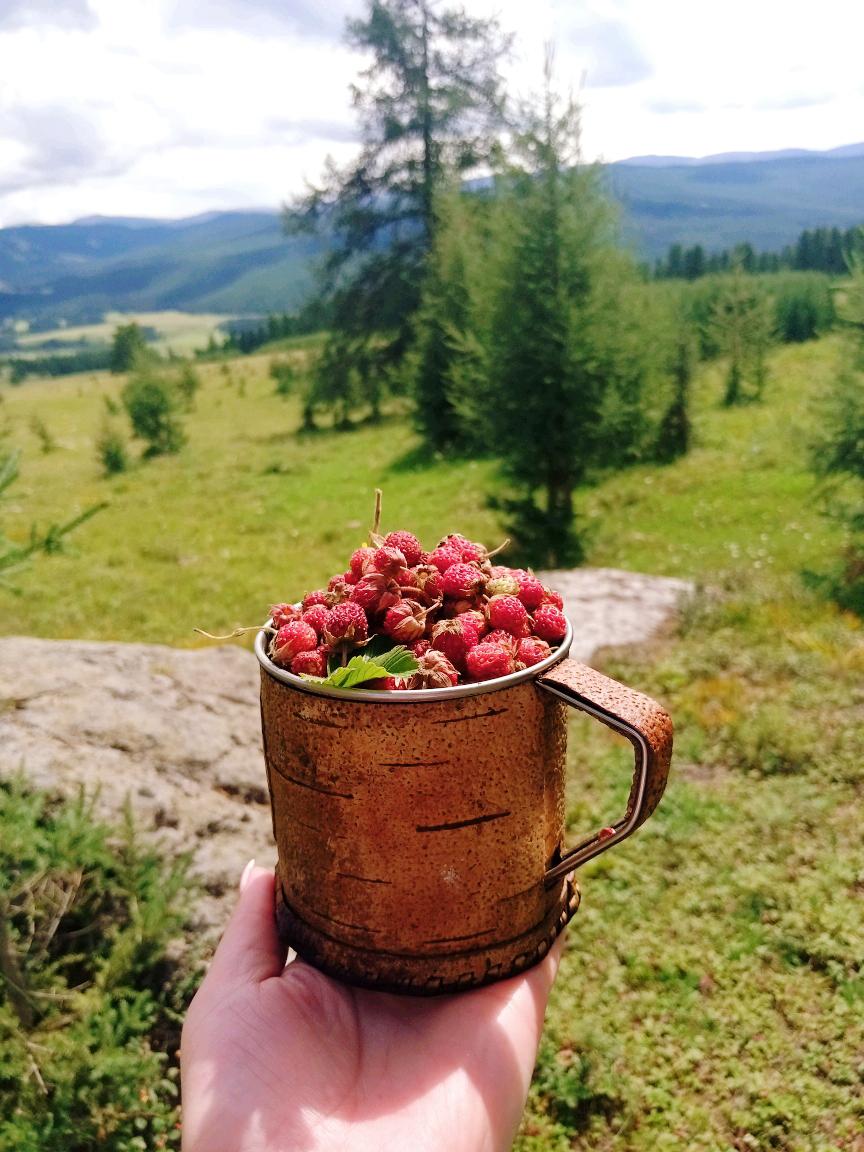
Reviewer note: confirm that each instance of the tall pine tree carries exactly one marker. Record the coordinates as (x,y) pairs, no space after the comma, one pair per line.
(566,369)
(429,104)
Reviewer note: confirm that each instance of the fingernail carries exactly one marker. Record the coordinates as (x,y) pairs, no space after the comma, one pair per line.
(244,877)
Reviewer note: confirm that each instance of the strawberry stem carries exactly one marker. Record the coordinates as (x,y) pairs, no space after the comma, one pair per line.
(236,632)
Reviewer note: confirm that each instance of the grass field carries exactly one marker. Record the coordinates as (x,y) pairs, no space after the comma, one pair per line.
(712,993)
(179,332)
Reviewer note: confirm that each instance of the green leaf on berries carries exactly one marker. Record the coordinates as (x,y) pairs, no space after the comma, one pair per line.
(360,669)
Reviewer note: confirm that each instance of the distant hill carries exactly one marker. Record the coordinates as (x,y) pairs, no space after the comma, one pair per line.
(230,262)
(241,263)
(765,199)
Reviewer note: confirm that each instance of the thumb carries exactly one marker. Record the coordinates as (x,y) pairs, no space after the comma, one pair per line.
(250,950)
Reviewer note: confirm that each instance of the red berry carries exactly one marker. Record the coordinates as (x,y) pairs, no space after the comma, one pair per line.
(374,593)
(283,614)
(488,661)
(427,579)
(434,670)
(473,618)
(474,551)
(408,545)
(405,622)
(461,581)
(388,561)
(550,623)
(531,650)
(319,596)
(310,663)
(502,639)
(291,639)
(361,561)
(346,624)
(454,540)
(444,557)
(531,591)
(317,616)
(420,647)
(507,612)
(550,596)
(454,638)
(338,589)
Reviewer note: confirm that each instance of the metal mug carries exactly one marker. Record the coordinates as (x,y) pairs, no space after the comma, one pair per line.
(420,834)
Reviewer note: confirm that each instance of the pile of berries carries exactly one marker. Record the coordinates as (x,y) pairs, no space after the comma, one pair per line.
(463,618)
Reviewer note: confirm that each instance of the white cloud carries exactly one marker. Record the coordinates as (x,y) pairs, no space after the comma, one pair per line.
(172,106)
(64,13)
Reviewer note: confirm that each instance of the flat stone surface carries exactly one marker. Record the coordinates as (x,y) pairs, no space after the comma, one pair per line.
(611,608)
(176,733)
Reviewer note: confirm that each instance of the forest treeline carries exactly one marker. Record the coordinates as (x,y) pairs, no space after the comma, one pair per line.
(816,250)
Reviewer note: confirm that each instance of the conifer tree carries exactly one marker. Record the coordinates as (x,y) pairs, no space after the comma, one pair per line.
(742,325)
(565,373)
(429,104)
(838,453)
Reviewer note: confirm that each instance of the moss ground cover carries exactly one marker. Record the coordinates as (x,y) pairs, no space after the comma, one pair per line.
(712,993)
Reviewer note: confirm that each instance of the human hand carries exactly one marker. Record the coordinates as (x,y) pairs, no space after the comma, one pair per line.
(286,1059)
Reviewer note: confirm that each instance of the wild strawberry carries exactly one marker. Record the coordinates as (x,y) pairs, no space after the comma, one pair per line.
(405,622)
(319,596)
(502,639)
(434,670)
(473,616)
(350,578)
(388,561)
(346,624)
(310,663)
(470,550)
(473,551)
(454,638)
(462,581)
(427,580)
(338,590)
(550,596)
(361,561)
(488,661)
(531,591)
(283,614)
(420,647)
(316,616)
(291,639)
(550,623)
(530,651)
(444,557)
(407,544)
(375,593)
(502,586)
(498,570)
(507,612)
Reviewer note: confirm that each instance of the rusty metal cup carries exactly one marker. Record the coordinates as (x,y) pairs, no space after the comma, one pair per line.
(420,834)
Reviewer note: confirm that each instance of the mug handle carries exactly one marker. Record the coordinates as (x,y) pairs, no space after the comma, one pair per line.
(646,725)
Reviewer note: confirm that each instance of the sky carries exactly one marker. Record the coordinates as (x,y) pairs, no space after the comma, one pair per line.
(170,108)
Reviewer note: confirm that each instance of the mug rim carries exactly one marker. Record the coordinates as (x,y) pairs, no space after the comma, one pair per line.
(414,695)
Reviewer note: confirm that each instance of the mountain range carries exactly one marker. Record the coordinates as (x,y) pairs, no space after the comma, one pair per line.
(241,263)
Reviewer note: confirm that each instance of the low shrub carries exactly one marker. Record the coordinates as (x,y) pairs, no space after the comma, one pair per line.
(90,1002)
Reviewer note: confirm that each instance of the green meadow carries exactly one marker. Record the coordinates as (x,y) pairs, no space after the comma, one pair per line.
(711,995)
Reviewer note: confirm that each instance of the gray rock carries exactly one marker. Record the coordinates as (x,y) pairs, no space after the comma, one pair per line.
(176,733)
